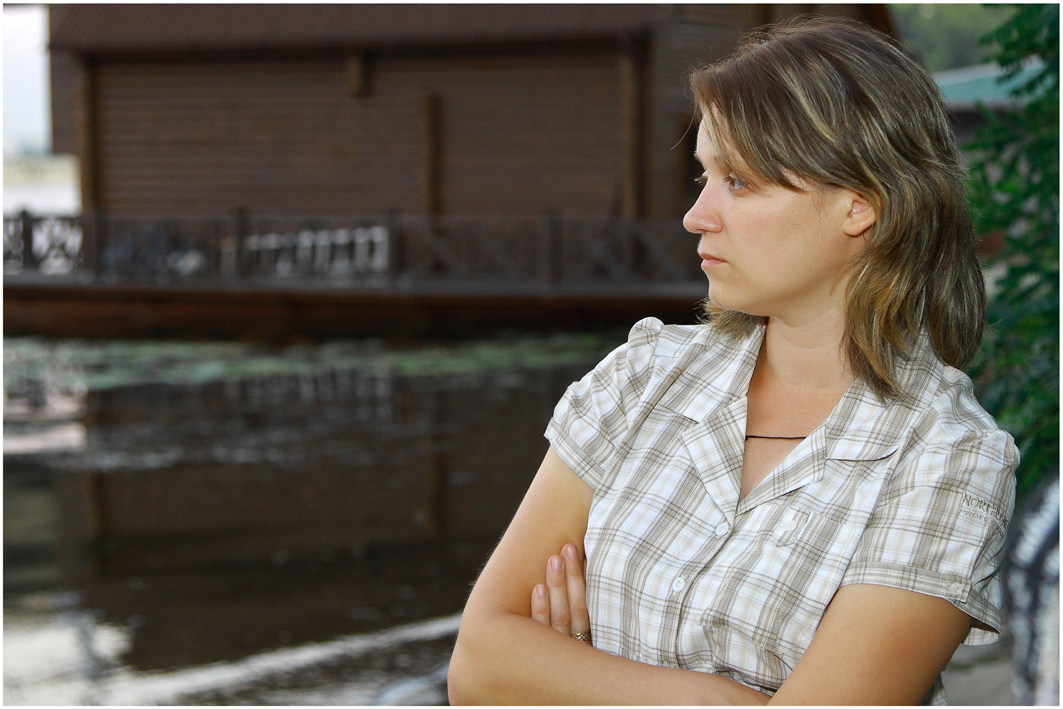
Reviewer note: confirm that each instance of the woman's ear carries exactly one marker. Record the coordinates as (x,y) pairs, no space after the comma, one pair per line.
(861,216)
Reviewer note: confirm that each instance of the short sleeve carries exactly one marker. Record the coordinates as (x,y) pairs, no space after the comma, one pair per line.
(594,413)
(940,525)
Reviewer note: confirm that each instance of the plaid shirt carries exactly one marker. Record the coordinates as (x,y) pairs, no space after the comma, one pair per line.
(915,493)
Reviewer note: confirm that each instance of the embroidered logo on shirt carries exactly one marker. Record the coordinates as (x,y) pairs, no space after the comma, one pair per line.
(974,506)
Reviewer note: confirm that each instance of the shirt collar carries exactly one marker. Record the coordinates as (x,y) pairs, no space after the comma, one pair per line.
(717,377)
(864,427)
(861,426)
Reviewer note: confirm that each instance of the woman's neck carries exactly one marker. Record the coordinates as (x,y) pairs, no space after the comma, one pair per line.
(808,356)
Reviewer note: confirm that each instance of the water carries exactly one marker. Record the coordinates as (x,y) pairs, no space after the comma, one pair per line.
(225,523)
(46,184)
(42,199)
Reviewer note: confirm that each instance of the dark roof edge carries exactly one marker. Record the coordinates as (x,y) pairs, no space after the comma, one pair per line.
(102,29)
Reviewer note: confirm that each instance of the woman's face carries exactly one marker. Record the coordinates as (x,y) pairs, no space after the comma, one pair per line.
(770,251)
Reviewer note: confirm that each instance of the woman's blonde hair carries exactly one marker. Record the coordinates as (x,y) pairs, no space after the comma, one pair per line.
(838,104)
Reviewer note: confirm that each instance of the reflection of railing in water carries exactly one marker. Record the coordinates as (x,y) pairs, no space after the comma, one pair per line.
(375,509)
(386,250)
(233,499)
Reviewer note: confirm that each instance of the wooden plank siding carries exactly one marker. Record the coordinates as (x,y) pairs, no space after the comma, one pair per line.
(517,133)
(62,75)
(63,72)
(207,108)
(633,124)
(198,137)
(86,136)
(678,47)
(521,134)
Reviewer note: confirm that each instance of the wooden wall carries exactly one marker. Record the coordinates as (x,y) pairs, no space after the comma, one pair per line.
(696,35)
(63,67)
(581,126)
(677,48)
(458,133)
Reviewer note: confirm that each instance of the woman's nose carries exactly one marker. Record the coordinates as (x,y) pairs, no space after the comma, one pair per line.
(701,217)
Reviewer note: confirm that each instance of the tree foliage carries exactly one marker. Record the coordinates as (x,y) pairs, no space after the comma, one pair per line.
(1014,188)
(945,36)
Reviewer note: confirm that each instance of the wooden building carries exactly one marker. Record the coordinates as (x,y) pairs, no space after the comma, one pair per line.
(333,170)
(360,109)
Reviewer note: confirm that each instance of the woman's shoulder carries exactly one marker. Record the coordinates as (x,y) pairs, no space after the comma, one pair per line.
(942,395)
(952,445)
(956,412)
(944,430)
(687,369)
(951,422)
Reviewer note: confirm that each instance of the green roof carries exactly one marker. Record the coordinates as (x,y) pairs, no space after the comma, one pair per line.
(963,88)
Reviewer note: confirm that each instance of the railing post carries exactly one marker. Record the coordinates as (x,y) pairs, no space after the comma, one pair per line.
(89,262)
(397,246)
(240,230)
(551,264)
(25,225)
(100,236)
(647,263)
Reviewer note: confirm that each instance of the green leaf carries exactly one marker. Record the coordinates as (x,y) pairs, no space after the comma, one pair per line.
(1013,188)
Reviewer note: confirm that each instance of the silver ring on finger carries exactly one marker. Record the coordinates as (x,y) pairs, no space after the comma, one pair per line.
(582,637)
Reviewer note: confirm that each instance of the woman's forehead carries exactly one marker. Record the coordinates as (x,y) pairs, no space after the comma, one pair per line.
(712,146)
(707,139)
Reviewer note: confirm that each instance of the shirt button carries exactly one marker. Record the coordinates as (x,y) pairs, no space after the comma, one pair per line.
(723,529)
(679,584)
(955,588)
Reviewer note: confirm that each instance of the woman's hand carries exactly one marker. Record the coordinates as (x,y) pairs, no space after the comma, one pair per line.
(503,656)
(561,602)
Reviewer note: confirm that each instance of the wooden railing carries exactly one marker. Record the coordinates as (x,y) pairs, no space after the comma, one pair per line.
(373,251)
(43,244)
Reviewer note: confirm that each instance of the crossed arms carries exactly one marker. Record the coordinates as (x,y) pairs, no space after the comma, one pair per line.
(875,644)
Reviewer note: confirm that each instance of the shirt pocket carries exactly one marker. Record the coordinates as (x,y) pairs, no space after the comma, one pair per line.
(773,592)
(789,528)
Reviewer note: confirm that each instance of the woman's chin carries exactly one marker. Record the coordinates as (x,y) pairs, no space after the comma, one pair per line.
(723,302)
(719,298)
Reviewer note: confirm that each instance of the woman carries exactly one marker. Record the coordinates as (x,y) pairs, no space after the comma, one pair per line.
(799,501)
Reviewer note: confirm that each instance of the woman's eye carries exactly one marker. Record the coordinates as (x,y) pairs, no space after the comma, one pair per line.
(734,183)
(701,179)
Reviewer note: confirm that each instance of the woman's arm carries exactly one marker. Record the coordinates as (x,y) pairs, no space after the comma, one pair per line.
(503,656)
(875,645)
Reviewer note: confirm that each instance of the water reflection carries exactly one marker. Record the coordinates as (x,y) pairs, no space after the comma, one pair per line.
(223,523)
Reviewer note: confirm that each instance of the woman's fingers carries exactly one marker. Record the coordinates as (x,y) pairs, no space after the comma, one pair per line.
(576,590)
(561,602)
(540,604)
(556,584)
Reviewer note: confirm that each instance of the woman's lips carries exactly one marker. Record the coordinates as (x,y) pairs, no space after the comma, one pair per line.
(707,260)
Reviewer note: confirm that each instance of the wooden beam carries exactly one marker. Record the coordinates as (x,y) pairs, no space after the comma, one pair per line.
(357,75)
(632,126)
(86,136)
(124,311)
(430,154)
(86,130)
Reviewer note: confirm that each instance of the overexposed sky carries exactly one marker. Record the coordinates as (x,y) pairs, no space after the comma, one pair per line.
(27,116)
